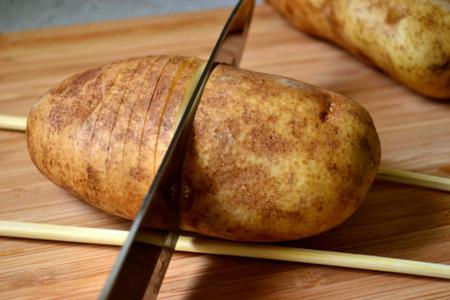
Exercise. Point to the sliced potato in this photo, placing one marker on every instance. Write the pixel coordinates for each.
(269, 158)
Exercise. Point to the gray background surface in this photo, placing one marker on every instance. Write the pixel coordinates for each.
(28, 14)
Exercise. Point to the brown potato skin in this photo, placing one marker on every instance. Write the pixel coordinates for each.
(408, 39)
(269, 158)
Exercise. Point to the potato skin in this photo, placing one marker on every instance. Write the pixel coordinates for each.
(408, 39)
(269, 158)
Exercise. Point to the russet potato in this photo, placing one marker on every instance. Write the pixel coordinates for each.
(408, 39)
(269, 158)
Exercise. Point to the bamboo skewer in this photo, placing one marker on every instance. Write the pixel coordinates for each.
(220, 247)
(16, 123)
(387, 174)
(413, 178)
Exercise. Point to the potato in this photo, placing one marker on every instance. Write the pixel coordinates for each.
(408, 39)
(269, 158)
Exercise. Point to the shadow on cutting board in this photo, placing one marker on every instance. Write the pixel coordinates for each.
(394, 221)
(242, 278)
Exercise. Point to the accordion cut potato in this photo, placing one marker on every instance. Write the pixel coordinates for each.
(269, 158)
(408, 39)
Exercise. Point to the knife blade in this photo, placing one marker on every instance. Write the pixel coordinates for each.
(142, 263)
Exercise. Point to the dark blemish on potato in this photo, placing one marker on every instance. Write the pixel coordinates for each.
(138, 173)
(325, 112)
(323, 115)
(50, 162)
(166, 127)
(332, 167)
(318, 203)
(92, 177)
(325, 101)
(395, 14)
(272, 118)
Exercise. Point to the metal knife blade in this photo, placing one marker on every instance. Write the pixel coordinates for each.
(142, 262)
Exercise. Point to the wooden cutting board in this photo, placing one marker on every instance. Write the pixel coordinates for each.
(395, 220)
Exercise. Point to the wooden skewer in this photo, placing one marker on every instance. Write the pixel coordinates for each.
(220, 247)
(385, 173)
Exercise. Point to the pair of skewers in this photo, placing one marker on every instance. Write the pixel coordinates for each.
(220, 247)
(17, 123)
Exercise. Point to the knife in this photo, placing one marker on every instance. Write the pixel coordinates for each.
(142, 262)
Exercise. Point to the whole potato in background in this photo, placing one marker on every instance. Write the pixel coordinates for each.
(269, 158)
(408, 39)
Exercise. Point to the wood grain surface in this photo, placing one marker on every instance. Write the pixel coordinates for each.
(395, 220)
